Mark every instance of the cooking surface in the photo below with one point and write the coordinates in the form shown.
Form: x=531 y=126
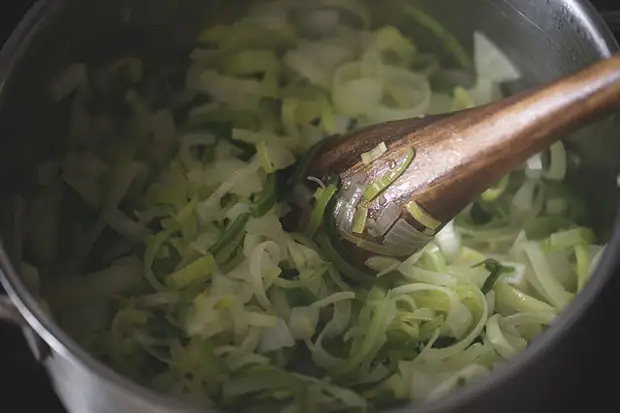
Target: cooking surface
x=588 y=360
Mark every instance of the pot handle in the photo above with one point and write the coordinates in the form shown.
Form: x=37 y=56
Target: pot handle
x=9 y=313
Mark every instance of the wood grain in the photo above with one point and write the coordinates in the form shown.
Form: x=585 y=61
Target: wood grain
x=460 y=155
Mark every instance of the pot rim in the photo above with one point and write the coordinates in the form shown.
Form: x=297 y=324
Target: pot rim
x=63 y=345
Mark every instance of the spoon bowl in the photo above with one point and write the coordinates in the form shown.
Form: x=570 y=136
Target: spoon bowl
x=400 y=182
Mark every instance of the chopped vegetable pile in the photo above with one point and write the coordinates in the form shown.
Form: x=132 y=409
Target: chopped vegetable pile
x=157 y=241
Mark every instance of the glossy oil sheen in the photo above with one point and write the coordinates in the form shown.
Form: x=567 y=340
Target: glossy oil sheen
x=546 y=39
x=461 y=154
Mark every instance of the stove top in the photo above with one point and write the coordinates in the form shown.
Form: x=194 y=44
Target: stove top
x=24 y=386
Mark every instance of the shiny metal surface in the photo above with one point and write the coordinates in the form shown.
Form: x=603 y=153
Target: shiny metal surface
x=546 y=38
x=8 y=312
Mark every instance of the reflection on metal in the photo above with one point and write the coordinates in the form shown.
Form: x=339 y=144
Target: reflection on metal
x=8 y=312
x=404 y=235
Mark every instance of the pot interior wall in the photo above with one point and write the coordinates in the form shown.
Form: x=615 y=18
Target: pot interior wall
x=543 y=38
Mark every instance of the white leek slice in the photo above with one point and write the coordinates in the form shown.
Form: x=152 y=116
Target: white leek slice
x=273 y=157
x=374 y=153
x=558 y=162
x=238 y=93
x=542 y=278
x=491 y=62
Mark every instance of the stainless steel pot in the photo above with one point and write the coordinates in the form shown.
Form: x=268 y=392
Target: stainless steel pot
x=546 y=38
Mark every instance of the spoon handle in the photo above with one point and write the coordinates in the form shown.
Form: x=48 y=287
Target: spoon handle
x=435 y=166
x=459 y=156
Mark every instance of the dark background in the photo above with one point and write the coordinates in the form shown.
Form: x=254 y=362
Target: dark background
x=590 y=361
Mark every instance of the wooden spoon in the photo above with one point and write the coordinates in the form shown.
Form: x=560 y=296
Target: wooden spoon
x=436 y=165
